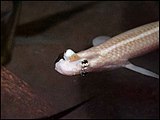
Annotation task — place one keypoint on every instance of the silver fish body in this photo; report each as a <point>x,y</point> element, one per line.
<point>115,52</point>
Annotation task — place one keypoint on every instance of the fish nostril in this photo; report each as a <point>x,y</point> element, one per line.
<point>59,57</point>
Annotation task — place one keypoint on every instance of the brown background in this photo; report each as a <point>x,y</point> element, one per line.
<point>120,93</point>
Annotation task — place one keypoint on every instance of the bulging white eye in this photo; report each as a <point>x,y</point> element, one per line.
<point>68,54</point>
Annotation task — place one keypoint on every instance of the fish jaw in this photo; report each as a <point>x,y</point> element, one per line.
<point>70,63</point>
<point>67,67</point>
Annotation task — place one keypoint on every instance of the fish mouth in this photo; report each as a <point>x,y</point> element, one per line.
<point>69,63</point>
<point>66,67</point>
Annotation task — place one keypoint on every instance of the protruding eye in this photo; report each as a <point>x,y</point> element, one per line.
<point>59,57</point>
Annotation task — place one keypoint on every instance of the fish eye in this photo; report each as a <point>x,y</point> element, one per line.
<point>84,63</point>
<point>59,57</point>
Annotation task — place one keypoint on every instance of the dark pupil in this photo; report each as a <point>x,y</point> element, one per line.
<point>84,61</point>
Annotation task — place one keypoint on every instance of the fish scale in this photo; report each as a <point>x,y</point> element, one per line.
<point>145,39</point>
<point>114,53</point>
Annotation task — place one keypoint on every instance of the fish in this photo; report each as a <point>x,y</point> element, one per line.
<point>111,53</point>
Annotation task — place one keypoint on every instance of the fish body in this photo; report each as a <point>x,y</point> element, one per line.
<point>114,52</point>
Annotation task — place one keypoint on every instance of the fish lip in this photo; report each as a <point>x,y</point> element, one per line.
<point>56,68</point>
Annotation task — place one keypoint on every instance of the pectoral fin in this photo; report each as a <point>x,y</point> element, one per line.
<point>99,40</point>
<point>141,70</point>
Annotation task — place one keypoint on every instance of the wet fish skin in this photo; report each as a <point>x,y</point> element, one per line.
<point>113,53</point>
<point>116,51</point>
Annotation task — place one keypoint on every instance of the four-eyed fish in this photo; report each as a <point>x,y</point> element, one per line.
<point>109,53</point>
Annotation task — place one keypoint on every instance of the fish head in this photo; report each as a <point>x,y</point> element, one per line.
<point>71,64</point>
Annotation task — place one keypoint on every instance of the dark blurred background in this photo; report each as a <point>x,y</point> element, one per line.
<point>47,29</point>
